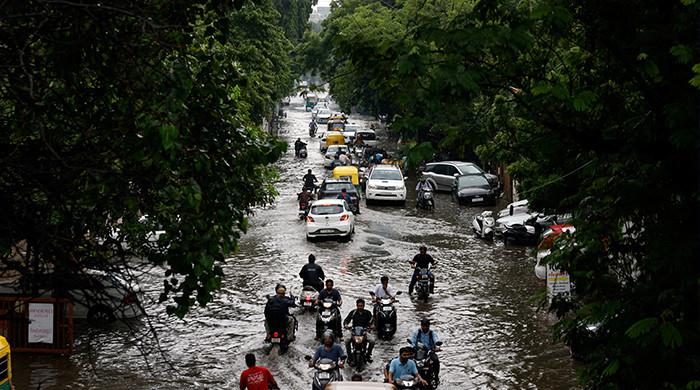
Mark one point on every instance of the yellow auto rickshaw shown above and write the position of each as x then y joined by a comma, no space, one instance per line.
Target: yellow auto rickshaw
348,172
335,138
5,365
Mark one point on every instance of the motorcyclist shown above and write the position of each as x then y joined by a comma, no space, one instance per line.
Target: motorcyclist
344,159
429,339
422,260
345,196
383,289
330,292
277,312
361,317
310,180
298,145
312,274
421,186
305,196
329,350
404,365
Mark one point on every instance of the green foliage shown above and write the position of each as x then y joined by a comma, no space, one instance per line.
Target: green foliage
141,108
593,114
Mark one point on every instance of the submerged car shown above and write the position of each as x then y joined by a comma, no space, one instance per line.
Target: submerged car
473,189
443,174
330,218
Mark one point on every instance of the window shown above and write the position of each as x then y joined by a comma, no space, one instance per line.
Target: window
440,169
328,209
472,181
469,169
337,187
450,170
367,136
382,174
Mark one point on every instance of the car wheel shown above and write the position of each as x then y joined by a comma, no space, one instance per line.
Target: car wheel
100,315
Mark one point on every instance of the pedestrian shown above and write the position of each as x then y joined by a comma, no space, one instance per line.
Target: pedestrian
256,377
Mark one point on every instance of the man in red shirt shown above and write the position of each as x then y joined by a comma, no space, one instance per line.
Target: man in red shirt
256,377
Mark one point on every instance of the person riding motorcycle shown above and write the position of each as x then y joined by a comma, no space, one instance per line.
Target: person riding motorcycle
312,274
329,350
361,317
298,145
428,338
383,289
421,186
310,181
422,260
277,312
404,365
330,292
305,196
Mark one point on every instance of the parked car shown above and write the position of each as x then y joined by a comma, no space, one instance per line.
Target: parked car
332,150
98,296
473,189
331,188
330,218
386,182
442,174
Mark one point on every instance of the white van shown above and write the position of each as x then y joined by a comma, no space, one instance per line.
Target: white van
386,182
369,137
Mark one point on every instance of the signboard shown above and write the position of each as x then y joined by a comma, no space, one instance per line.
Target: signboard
40,323
558,282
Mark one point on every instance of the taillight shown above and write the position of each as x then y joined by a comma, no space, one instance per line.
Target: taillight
308,298
275,334
309,219
344,217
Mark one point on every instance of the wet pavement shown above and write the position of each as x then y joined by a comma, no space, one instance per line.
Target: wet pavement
494,335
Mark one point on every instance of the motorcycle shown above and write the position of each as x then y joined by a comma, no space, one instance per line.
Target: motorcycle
328,318
423,284
301,152
483,225
326,371
358,347
304,207
278,336
406,382
426,200
385,316
308,297
425,364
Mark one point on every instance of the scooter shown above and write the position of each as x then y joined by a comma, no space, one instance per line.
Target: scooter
407,382
385,316
328,318
326,371
301,153
308,297
425,364
303,209
278,336
426,200
358,347
423,284
483,225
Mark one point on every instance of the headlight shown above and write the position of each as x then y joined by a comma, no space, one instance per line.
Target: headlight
372,187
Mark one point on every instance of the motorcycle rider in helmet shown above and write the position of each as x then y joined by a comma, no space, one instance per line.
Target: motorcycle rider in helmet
312,274
277,312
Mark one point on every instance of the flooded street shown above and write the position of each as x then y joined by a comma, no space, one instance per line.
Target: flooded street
494,336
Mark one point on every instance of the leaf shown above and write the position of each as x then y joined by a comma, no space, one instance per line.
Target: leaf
612,368
584,100
695,81
687,2
683,53
560,92
168,133
641,327
670,335
540,89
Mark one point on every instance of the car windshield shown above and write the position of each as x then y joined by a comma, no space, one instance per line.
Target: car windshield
469,169
337,148
381,174
368,136
338,186
352,127
472,181
326,209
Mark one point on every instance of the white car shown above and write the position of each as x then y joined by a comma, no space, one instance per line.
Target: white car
329,156
323,115
98,296
369,137
515,208
386,182
328,218
349,133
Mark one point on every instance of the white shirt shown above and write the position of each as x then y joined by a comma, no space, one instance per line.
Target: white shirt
379,291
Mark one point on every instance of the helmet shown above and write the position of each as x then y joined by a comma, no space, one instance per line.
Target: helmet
328,334
312,258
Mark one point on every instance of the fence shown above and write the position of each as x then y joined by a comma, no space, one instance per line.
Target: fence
50,330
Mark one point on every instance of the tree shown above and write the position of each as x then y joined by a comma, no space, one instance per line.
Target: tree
113,112
596,115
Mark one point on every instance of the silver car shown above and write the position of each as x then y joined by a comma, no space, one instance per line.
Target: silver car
441,175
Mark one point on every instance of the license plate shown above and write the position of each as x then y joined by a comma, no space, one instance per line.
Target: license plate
387,309
307,303
477,199
327,230
324,375
275,339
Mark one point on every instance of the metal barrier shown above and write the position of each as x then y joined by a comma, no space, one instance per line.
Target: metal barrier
15,324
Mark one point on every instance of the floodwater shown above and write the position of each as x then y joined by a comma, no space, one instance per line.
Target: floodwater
494,335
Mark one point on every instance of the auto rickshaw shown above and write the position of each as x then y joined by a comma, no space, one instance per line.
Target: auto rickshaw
348,172
5,365
336,123
335,138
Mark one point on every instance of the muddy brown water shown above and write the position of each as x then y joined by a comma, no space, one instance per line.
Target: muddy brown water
494,336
